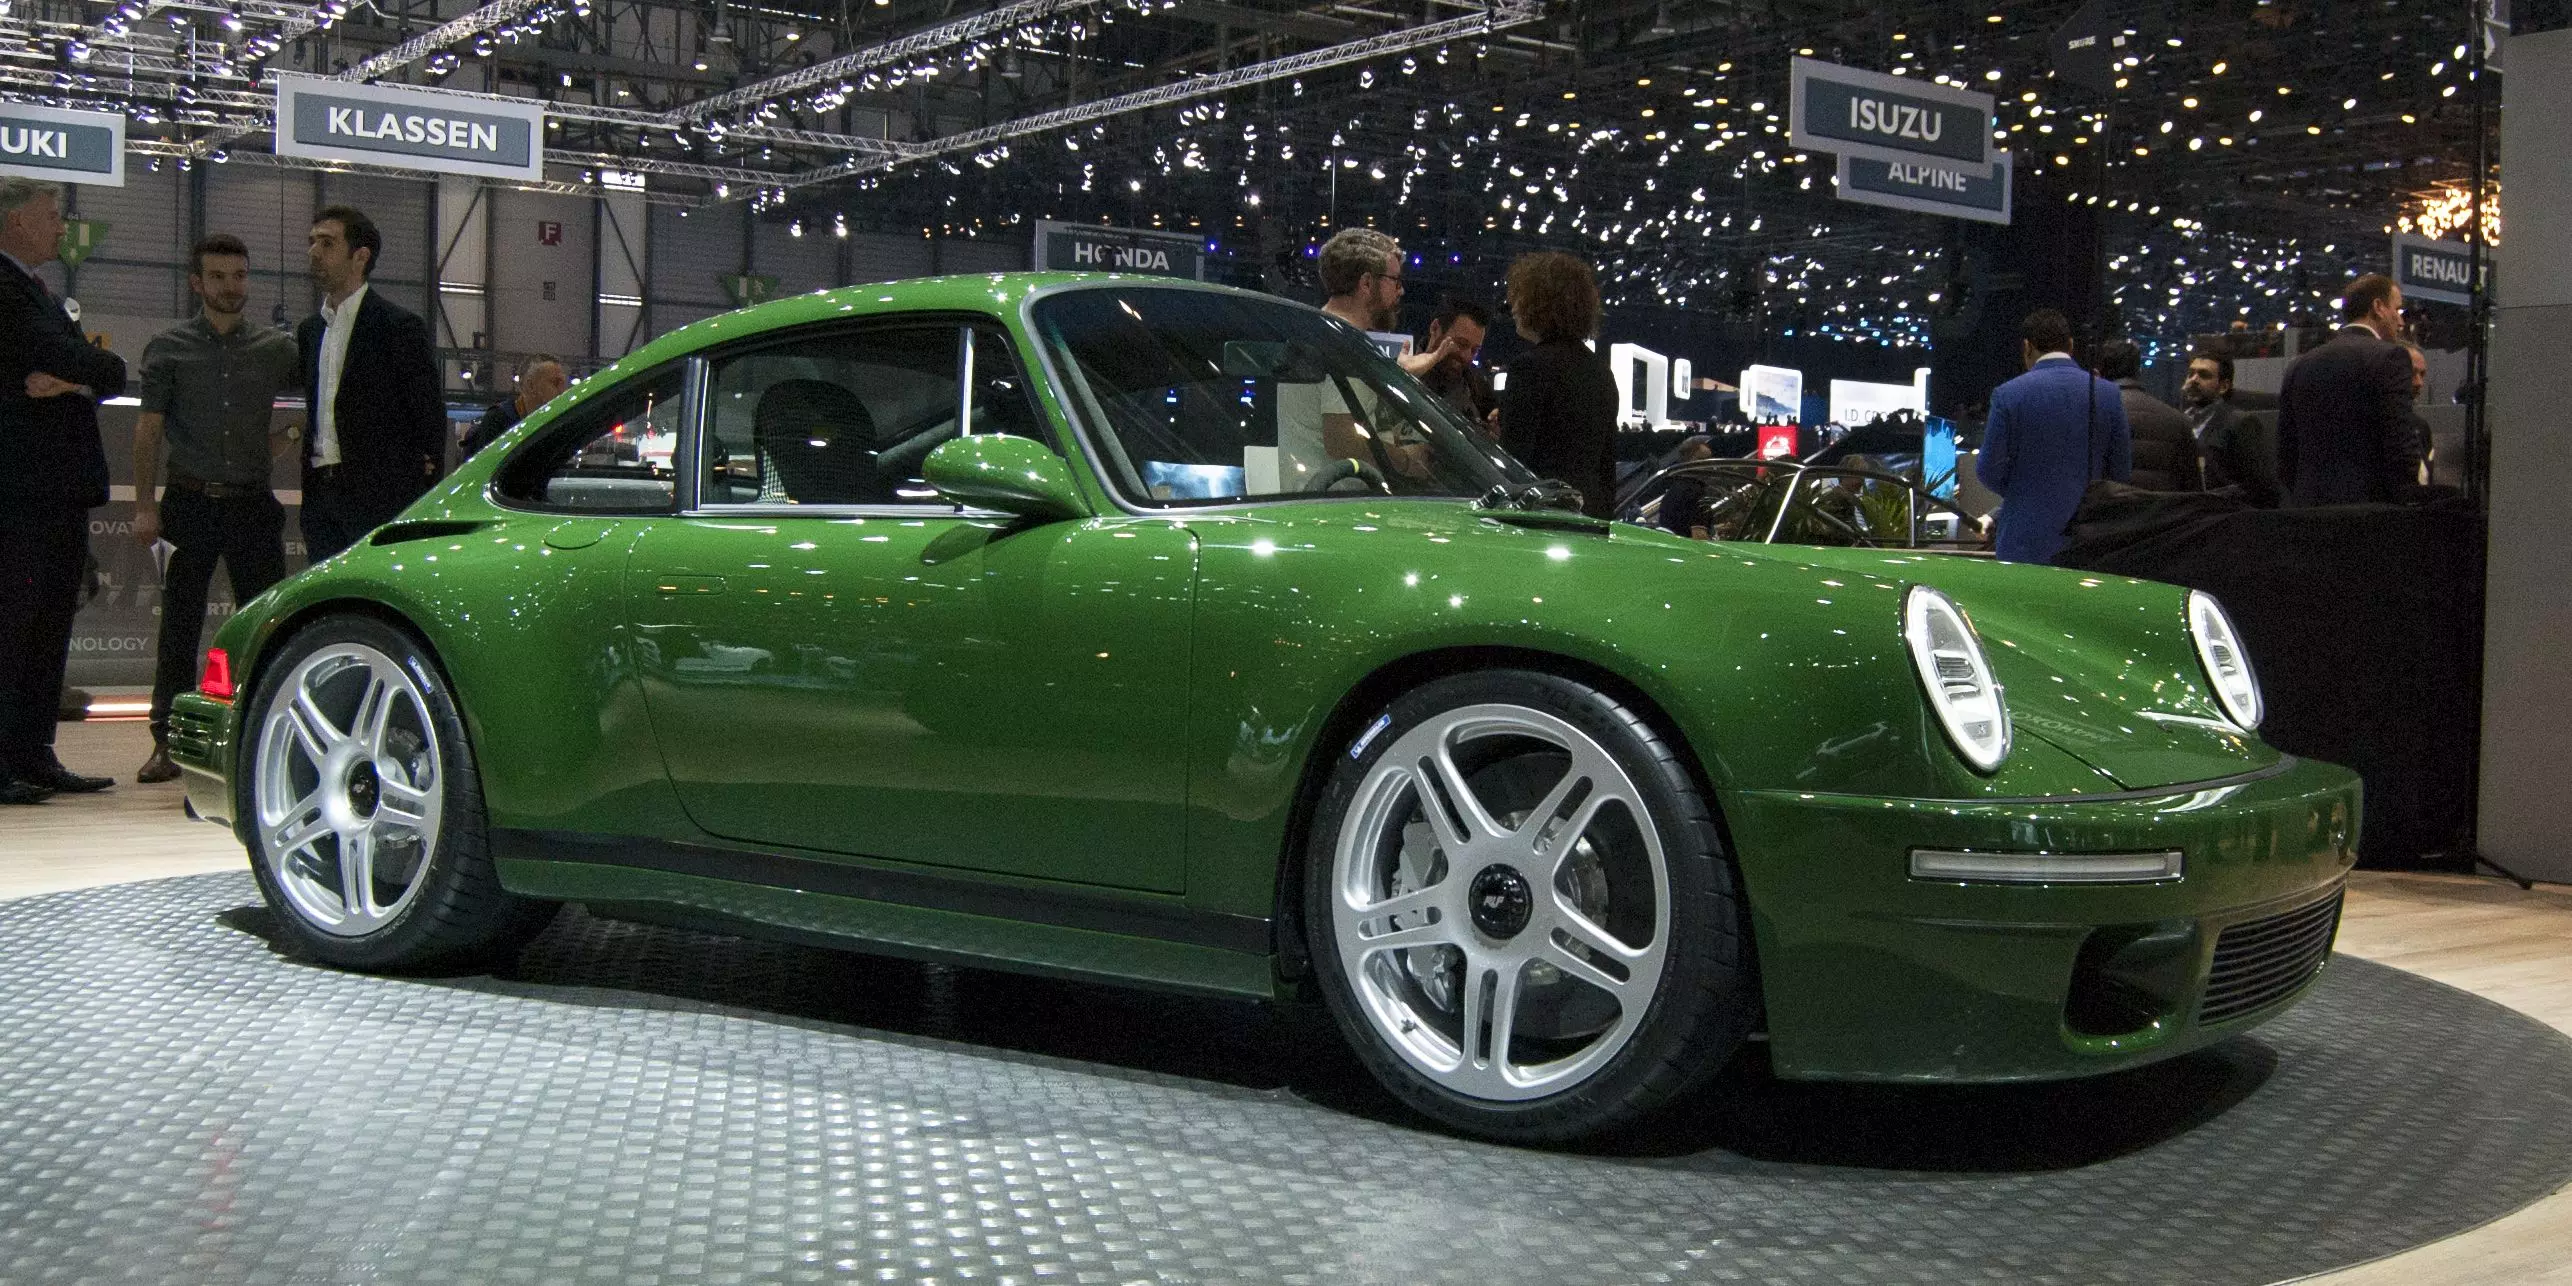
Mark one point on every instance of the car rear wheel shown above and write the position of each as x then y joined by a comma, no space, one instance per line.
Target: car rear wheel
1520,911
363,809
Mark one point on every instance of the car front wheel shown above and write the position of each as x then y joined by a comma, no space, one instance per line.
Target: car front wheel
1520,912
363,810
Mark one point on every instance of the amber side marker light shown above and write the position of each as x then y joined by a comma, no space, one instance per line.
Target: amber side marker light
217,682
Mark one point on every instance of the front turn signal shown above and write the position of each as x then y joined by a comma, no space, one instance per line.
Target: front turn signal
217,682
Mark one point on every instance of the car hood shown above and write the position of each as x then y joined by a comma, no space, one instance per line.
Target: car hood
2101,667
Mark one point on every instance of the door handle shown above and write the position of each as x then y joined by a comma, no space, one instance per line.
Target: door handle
686,586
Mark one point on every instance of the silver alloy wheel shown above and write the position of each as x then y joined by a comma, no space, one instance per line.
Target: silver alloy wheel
1499,889
347,788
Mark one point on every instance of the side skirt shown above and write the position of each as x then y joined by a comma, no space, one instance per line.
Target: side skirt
951,919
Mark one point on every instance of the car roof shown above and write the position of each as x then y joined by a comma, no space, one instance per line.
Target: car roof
997,294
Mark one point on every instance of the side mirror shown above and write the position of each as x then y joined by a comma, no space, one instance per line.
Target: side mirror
1013,475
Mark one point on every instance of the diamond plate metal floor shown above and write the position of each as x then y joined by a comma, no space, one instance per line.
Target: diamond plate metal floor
179,1102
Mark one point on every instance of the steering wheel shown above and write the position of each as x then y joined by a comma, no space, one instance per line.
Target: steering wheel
1339,471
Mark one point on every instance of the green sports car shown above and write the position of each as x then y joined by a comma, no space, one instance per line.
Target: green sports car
1133,629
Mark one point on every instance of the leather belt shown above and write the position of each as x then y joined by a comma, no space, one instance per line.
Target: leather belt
215,490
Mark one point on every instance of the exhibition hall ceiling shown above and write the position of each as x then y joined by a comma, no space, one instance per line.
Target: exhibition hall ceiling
1648,133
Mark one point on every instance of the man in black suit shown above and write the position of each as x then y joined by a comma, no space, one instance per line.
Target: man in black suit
2234,444
51,382
378,432
2344,428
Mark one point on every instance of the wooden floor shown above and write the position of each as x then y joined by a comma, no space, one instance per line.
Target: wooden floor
2485,936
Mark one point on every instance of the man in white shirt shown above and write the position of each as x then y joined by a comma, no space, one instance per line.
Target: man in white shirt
378,433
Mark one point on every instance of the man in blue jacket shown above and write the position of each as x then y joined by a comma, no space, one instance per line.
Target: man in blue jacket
2053,431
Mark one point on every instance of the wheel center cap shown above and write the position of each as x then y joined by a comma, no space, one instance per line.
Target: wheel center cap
365,790
1500,901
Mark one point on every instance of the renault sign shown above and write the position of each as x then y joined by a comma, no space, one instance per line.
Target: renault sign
2441,271
62,146
416,129
1928,188
1888,118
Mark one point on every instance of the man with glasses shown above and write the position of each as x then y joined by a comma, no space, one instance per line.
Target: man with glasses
1362,274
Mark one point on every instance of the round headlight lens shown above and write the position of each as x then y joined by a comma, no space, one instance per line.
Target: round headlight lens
2228,666
1949,659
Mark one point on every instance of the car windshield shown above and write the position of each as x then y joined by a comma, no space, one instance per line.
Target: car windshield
1199,397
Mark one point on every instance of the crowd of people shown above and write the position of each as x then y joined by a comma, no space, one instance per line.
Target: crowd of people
2346,428
204,449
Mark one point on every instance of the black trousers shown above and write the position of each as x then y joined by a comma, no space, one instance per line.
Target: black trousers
339,510
41,547
247,534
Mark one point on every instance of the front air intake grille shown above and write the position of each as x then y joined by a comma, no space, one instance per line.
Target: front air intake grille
2261,962
191,735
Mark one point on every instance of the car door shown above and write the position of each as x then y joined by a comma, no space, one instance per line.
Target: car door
835,661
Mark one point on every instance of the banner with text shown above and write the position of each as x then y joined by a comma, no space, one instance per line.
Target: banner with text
2440,271
1888,118
1076,247
59,145
409,127
1928,188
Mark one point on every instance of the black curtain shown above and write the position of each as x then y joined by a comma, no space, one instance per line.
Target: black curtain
2365,625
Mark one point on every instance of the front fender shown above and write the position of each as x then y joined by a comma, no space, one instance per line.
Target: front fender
1779,677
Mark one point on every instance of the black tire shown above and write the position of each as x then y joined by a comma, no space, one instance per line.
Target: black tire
454,913
1702,998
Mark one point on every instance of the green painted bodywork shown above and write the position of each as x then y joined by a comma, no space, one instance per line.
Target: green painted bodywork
1134,704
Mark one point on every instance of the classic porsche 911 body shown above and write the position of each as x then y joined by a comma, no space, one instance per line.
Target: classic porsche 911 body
1161,633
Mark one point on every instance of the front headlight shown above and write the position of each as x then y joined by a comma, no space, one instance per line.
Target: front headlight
1959,681
2228,667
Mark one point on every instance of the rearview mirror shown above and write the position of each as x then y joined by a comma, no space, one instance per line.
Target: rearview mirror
1286,361
1013,475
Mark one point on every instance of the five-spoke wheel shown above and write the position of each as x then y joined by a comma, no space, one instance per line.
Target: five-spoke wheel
1520,910
361,808
347,788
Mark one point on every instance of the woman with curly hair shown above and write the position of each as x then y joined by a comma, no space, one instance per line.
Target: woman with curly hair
1558,413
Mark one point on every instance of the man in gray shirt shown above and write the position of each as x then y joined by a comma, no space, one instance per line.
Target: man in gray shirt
207,388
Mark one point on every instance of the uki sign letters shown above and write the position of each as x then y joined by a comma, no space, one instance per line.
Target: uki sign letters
58,145
416,129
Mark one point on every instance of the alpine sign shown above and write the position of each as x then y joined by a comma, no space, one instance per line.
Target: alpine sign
410,127
1928,187
1080,247
2441,271
62,146
1889,118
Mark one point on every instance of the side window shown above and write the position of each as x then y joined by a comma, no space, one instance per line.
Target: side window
1003,400
611,454
847,416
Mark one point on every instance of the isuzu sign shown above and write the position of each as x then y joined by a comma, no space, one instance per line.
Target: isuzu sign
1928,187
1077,247
2442,271
416,129
1889,118
62,146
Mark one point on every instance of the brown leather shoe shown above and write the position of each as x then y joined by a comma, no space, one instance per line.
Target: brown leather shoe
158,768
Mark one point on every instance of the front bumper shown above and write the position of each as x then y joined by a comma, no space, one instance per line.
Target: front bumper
201,732
1872,974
